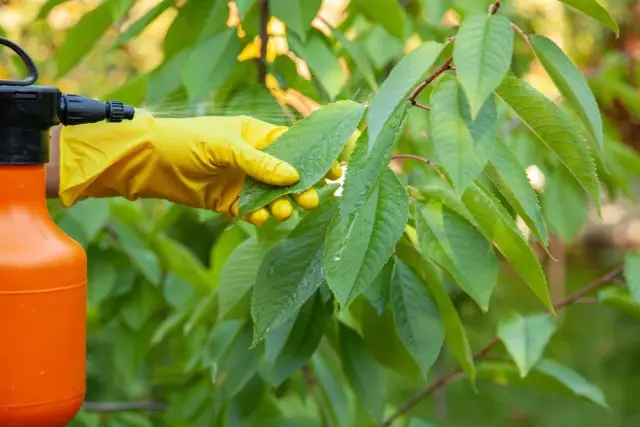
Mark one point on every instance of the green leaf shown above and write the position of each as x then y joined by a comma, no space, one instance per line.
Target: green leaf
196,21
119,8
363,373
572,380
210,62
323,63
378,291
434,10
296,14
482,53
225,244
526,337
357,248
367,163
290,346
142,257
359,56
240,364
572,85
82,38
416,317
244,6
461,250
381,336
290,272
593,9
102,277
619,299
177,291
91,214
553,127
311,146
137,27
562,190
548,376
632,274
463,145
395,89
46,8
238,275
455,335
179,259
333,392
388,13
508,175
499,227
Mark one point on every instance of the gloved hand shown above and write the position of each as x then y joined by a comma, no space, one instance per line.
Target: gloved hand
200,162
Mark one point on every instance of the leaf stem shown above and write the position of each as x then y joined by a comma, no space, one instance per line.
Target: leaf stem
485,349
421,160
521,33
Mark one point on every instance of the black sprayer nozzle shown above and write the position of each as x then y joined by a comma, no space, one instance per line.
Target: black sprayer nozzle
75,110
28,111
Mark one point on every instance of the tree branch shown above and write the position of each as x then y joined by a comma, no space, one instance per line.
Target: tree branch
444,67
264,41
105,407
484,350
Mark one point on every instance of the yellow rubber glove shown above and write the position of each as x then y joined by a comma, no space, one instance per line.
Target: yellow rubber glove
200,162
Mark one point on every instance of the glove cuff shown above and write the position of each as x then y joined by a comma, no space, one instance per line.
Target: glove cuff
93,157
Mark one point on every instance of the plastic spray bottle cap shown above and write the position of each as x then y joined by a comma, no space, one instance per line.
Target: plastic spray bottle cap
28,111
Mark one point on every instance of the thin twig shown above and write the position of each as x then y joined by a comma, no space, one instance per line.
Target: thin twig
104,407
421,160
494,8
264,41
484,350
521,32
444,67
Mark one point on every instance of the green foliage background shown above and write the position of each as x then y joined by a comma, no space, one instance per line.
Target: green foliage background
171,288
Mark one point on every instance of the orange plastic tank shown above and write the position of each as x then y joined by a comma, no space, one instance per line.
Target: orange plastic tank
43,277
43,272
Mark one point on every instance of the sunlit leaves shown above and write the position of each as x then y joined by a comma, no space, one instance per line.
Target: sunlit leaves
554,128
290,272
526,337
311,146
508,175
359,245
482,54
461,250
593,9
572,84
463,145
296,14
82,38
500,228
412,68
387,13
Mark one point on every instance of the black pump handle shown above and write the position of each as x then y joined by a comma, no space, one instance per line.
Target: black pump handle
32,71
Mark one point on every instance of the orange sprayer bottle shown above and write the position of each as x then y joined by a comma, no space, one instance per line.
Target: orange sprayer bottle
43,272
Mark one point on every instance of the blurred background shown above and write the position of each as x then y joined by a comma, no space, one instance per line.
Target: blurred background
154,266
